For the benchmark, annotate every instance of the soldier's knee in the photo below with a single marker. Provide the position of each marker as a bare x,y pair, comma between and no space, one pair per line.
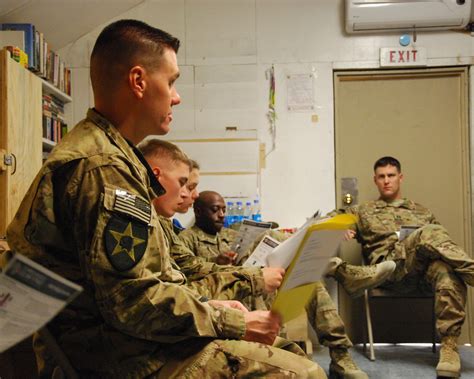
433,233
443,278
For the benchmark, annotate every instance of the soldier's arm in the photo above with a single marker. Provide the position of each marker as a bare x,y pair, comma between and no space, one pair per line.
196,267
146,298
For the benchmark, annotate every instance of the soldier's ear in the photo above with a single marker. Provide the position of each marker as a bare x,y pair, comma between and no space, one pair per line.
137,81
156,171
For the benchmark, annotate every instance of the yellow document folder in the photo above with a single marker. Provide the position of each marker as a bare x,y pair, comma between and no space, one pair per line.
319,244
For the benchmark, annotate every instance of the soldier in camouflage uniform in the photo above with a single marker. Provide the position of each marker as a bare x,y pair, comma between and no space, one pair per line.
88,217
191,185
171,167
208,239
427,256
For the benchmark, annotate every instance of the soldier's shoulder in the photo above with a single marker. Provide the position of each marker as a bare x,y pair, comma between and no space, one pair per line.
419,207
191,233
228,232
366,205
87,150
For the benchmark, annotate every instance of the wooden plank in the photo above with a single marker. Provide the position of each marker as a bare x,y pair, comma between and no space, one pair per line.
21,132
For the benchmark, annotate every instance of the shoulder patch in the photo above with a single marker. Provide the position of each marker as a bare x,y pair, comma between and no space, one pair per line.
125,242
132,205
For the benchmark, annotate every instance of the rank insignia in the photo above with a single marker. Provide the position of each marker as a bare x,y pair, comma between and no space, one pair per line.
125,242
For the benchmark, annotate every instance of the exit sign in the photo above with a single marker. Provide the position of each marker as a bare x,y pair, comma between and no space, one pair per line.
402,56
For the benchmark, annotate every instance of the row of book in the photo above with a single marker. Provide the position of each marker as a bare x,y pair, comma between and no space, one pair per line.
54,122
42,60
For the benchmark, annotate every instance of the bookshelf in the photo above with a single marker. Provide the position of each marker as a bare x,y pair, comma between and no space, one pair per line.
49,89
52,90
21,132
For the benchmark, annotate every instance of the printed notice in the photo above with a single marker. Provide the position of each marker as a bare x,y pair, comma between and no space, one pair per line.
259,255
300,92
30,296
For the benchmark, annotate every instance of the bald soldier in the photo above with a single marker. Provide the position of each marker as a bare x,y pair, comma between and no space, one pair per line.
210,240
88,216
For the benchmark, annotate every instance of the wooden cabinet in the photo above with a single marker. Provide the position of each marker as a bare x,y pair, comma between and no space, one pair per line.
20,134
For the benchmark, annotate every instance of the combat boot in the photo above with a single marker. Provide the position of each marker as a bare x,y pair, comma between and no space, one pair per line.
357,279
449,364
343,367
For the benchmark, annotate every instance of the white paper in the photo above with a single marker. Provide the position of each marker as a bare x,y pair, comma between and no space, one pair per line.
300,92
30,296
311,263
282,255
248,233
259,255
406,230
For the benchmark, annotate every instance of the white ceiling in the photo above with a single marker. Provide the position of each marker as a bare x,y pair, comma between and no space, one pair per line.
63,21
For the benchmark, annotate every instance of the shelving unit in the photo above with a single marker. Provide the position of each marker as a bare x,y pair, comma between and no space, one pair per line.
52,90
49,89
21,135
48,145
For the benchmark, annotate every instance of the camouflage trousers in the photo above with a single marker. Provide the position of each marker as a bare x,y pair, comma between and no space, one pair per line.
236,359
321,310
429,258
323,317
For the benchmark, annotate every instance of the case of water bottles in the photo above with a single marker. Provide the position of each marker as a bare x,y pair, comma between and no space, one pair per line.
237,211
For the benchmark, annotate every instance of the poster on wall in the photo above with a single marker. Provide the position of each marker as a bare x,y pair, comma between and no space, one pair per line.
300,92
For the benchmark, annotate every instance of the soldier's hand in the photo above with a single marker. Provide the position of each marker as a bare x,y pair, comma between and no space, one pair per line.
349,234
261,326
228,304
227,258
273,276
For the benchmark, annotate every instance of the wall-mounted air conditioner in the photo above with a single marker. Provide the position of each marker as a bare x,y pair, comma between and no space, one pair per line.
366,16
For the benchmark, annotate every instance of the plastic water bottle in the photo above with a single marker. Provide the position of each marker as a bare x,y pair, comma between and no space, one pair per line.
248,210
229,214
239,212
256,215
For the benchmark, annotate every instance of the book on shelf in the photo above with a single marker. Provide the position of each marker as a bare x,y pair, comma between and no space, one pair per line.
54,121
42,60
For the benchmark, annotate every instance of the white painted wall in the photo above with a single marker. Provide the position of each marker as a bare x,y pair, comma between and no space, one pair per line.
227,45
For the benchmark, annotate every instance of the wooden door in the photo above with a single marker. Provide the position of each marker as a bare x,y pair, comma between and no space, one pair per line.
20,134
419,116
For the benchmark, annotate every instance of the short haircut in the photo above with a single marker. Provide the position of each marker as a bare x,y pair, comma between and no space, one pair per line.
157,148
203,199
122,45
385,161
194,165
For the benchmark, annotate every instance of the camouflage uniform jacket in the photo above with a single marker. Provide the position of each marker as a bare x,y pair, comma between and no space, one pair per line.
196,267
207,245
378,222
88,217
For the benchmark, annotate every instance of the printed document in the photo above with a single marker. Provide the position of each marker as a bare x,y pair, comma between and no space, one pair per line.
308,255
406,230
248,233
259,255
30,296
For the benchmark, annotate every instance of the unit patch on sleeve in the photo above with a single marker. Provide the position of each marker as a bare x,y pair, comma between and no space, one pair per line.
125,242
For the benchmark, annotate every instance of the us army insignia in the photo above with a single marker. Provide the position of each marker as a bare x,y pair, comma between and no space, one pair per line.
125,242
